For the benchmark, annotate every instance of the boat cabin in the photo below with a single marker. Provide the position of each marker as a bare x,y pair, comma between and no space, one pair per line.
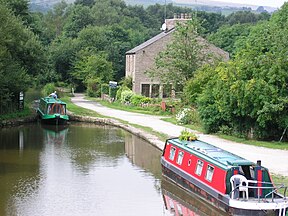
214,167
50,106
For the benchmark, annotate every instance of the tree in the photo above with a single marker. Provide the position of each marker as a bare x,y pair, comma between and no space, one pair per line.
88,3
182,57
20,55
93,67
78,19
227,36
249,94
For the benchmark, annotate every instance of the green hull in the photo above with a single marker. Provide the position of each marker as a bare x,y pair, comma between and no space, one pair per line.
52,111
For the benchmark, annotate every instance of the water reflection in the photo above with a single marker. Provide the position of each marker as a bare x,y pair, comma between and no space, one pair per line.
82,169
79,170
180,202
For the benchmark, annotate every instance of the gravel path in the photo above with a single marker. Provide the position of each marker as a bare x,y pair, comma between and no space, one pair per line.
275,160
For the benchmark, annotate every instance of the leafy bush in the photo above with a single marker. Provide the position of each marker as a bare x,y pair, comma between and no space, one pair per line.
136,99
187,116
187,135
120,90
126,96
113,92
146,100
93,87
48,89
105,88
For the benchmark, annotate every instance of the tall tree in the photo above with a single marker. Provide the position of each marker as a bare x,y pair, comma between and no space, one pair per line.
182,57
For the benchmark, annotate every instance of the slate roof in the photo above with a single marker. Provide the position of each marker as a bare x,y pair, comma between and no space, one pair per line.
150,41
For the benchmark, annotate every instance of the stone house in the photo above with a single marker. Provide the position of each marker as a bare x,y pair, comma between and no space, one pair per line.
142,58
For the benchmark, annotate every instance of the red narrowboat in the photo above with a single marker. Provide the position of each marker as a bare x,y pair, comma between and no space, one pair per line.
227,181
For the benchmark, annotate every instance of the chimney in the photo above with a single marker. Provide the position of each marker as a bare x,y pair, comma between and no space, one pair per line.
171,23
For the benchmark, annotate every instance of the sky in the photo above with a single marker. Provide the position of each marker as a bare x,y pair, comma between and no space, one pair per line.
271,3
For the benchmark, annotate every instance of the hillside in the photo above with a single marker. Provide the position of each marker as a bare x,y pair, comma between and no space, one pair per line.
202,5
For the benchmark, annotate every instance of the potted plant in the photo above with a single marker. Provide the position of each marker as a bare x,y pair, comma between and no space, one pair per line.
187,135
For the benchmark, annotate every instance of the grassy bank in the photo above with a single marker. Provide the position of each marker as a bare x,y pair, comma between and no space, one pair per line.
19,114
79,110
119,106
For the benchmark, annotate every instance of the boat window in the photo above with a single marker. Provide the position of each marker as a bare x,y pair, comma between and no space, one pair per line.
172,153
180,157
189,162
209,173
199,167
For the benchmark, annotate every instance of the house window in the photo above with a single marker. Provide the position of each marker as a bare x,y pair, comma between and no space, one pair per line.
145,90
209,173
199,167
155,90
172,153
180,157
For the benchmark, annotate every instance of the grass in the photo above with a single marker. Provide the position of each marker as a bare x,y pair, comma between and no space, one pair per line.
169,118
119,106
17,114
278,180
172,120
267,144
79,110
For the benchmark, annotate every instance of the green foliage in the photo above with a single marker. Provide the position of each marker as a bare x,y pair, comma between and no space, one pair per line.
187,116
104,88
241,17
92,67
183,56
113,92
126,96
227,36
22,58
126,81
48,89
120,90
93,87
136,99
187,136
247,96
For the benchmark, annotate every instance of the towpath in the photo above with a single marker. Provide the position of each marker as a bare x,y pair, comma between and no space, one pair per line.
274,159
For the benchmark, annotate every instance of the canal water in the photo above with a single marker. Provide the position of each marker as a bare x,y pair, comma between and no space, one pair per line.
85,169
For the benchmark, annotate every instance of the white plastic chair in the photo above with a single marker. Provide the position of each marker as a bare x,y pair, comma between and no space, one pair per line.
243,185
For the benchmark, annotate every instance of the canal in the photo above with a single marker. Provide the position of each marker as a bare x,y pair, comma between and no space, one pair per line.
85,169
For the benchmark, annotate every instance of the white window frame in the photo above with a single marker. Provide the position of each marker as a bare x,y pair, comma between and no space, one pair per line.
199,167
172,153
209,173
180,157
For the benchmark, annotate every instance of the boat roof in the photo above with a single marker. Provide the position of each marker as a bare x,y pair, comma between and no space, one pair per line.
211,153
51,100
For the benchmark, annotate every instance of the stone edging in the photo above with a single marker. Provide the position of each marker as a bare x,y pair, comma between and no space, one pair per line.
16,122
152,139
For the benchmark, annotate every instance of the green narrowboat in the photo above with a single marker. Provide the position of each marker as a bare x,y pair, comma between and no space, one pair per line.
52,111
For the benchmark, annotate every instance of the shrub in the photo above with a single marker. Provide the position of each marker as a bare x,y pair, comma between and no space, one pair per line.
113,92
120,90
187,116
48,89
93,87
136,99
126,96
187,135
105,88
146,100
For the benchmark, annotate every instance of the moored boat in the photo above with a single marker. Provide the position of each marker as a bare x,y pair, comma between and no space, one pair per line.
52,111
225,180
